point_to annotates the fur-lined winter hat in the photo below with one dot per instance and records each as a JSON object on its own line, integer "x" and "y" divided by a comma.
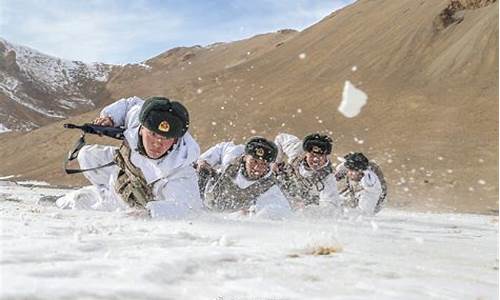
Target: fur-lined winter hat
{"x": 317, "y": 143}
{"x": 261, "y": 148}
{"x": 356, "y": 161}
{"x": 164, "y": 117}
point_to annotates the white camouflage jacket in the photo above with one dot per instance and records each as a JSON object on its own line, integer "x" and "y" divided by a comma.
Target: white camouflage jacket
{"x": 176, "y": 188}
{"x": 367, "y": 191}
{"x": 291, "y": 146}
{"x": 272, "y": 203}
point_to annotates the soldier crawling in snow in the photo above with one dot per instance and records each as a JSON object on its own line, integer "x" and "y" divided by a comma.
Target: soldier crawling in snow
{"x": 308, "y": 176}
{"x": 239, "y": 178}
{"x": 151, "y": 171}
{"x": 361, "y": 184}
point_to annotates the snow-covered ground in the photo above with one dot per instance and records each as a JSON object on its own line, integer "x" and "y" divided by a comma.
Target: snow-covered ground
{"x": 48, "y": 253}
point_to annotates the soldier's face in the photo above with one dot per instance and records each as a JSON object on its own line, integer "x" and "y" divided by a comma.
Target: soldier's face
{"x": 355, "y": 175}
{"x": 155, "y": 144}
{"x": 256, "y": 168}
{"x": 315, "y": 160}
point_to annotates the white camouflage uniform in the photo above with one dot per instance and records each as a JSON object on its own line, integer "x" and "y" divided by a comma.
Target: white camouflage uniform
{"x": 271, "y": 203}
{"x": 291, "y": 146}
{"x": 175, "y": 187}
{"x": 365, "y": 193}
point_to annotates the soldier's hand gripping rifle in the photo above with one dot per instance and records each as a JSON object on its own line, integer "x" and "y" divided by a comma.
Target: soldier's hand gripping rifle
{"x": 112, "y": 132}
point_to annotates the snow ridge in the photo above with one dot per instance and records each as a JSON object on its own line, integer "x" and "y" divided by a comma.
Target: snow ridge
{"x": 46, "y": 85}
{"x": 55, "y": 72}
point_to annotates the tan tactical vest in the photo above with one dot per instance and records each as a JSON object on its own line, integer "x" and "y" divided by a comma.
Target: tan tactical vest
{"x": 300, "y": 189}
{"x": 130, "y": 184}
{"x": 223, "y": 194}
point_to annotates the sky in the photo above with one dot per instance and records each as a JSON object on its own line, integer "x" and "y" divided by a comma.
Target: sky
{"x": 119, "y": 32}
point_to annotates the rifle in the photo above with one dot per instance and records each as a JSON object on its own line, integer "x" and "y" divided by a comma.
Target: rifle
{"x": 112, "y": 132}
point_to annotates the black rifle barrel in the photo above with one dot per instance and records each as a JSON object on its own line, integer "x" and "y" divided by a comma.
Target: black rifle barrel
{"x": 112, "y": 132}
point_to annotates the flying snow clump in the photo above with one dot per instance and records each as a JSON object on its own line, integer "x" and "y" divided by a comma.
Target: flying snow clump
{"x": 359, "y": 141}
{"x": 353, "y": 100}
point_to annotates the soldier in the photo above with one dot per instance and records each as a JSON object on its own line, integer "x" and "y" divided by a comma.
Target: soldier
{"x": 239, "y": 178}
{"x": 151, "y": 170}
{"x": 308, "y": 176}
{"x": 363, "y": 184}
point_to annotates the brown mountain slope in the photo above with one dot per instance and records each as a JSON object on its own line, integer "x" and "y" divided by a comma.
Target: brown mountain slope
{"x": 431, "y": 75}
{"x": 171, "y": 70}
{"x": 51, "y": 142}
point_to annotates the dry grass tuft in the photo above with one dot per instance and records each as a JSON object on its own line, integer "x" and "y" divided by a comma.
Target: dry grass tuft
{"x": 325, "y": 250}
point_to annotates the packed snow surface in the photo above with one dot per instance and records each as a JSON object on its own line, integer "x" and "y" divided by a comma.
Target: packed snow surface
{"x": 353, "y": 99}
{"x": 48, "y": 253}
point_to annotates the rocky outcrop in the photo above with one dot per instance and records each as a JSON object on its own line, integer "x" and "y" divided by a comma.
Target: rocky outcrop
{"x": 454, "y": 12}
